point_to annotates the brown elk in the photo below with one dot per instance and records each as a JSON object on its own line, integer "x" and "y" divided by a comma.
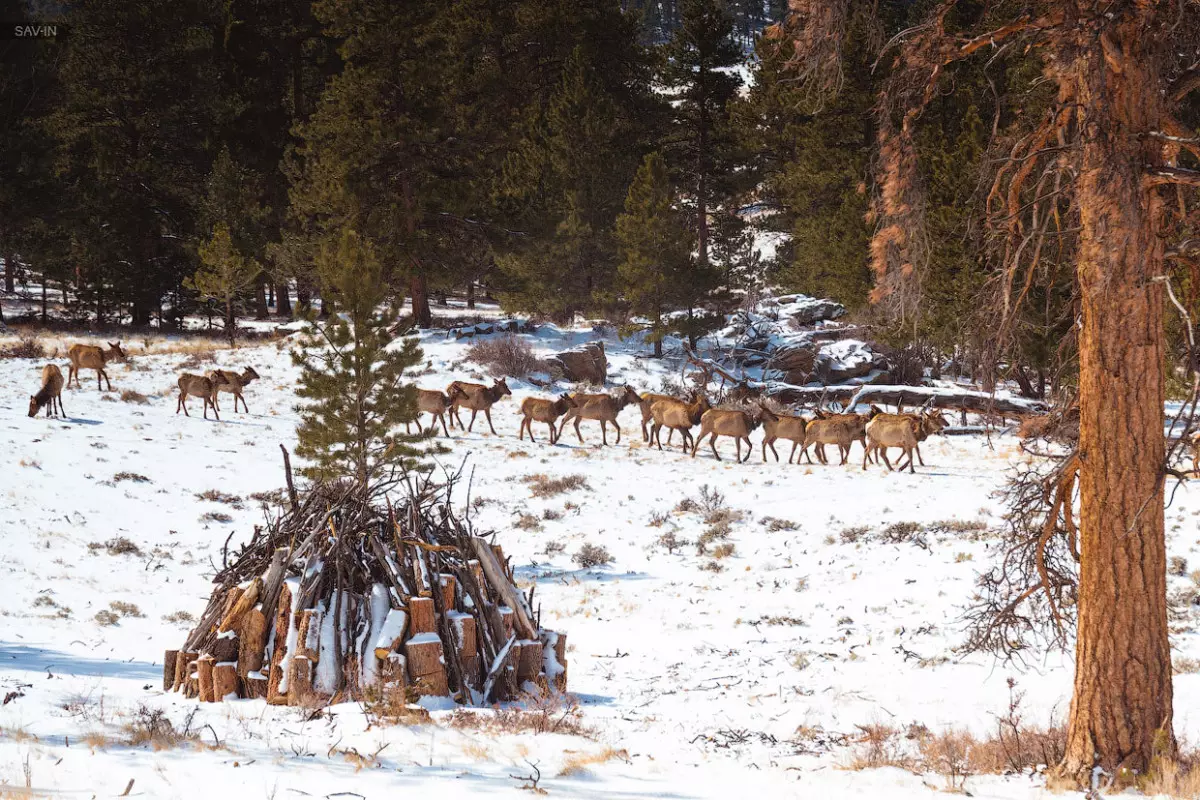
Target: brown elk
{"x": 226, "y": 380}
{"x": 435, "y": 404}
{"x": 476, "y": 397}
{"x": 924, "y": 425}
{"x": 1194, "y": 445}
{"x": 539, "y": 409}
{"x": 603, "y": 408}
{"x": 840, "y": 429}
{"x": 721, "y": 422}
{"x": 196, "y": 386}
{"x": 88, "y": 356}
{"x": 49, "y": 394}
{"x": 677, "y": 415}
{"x": 647, "y": 400}
{"x": 783, "y": 426}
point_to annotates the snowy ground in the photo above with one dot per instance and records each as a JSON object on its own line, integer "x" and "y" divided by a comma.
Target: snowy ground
{"x": 697, "y": 683}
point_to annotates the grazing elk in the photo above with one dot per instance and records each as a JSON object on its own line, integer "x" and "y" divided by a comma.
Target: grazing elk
{"x": 603, "y": 408}
{"x": 476, "y": 397}
{"x": 233, "y": 382}
{"x": 196, "y": 386}
{"x": 840, "y": 429}
{"x": 49, "y": 394}
{"x": 677, "y": 415}
{"x": 435, "y": 404}
{"x": 89, "y": 356}
{"x": 1194, "y": 446}
{"x": 783, "y": 426}
{"x": 539, "y": 409}
{"x": 721, "y": 422}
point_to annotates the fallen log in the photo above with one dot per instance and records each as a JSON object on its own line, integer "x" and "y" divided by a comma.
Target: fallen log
{"x": 909, "y": 396}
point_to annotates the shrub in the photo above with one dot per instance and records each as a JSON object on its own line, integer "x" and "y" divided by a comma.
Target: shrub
{"x": 671, "y": 542}
{"x": 1177, "y": 566}
{"x": 179, "y": 618}
{"x": 543, "y": 486}
{"x": 25, "y": 347}
{"x": 853, "y": 534}
{"x": 216, "y": 496}
{"x": 151, "y": 726}
{"x": 120, "y": 546}
{"x": 774, "y": 524}
{"x": 130, "y": 396}
{"x": 218, "y": 517}
{"x": 528, "y": 522}
{"x": 555, "y": 713}
{"x": 125, "y": 609}
{"x": 591, "y": 555}
{"x": 554, "y": 548}
{"x": 504, "y": 355}
{"x": 723, "y": 550}
{"x": 106, "y": 618}
{"x": 132, "y": 477}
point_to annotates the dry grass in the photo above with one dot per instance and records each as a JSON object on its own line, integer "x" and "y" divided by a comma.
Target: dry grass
{"x": 125, "y": 609}
{"x": 151, "y": 727}
{"x": 25, "y": 347}
{"x": 219, "y": 517}
{"x": 132, "y": 477}
{"x": 576, "y": 764}
{"x": 120, "y": 546}
{"x": 528, "y": 522}
{"x": 130, "y": 396}
{"x": 393, "y": 705}
{"x": 217, "y": 496}
{"x": 592, "y": 555}
{"x": 541, "y": 485}
{"x": 556, "y": 713}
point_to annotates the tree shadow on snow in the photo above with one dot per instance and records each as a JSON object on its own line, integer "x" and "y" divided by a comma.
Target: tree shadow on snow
{"x": 27, "y": 658}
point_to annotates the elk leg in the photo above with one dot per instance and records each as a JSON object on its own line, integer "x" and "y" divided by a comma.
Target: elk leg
{"x": 474, "y": 412}
{"x": 737, "y": 440}
{"x": 671, "y": 435}
{"x": 618, "y": 427}
{"x": 687, "y": 439}
{"x": 920, "y": 460}
{"x": 883, "y": 454}
{"x": 603, "y": 433}
{"x": 749, "y": 449}
{"x": 577, "y": 433}
{"x": 795, "y": 444}
{"x": 645, "y": 433}
{"x": 712, "y": 443}
{"x": 487, "y": 412}
{"x": 776, "y": 452}
{"x": 215, "y": 414}
{"x": 819, "y": 447}
{"x": 182, "y": 404}
{"x": 529, "y": 424}
{"x": 655, "y": 438}
{"x": 553, "y": 436}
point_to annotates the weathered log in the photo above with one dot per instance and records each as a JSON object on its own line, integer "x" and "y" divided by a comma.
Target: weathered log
{"x": 183, "y": 666}
{"x": 509, "y": 619}
{"x": 496, "y": 576}
{"x": 464, "y": 625}
{"x": 252, "y": 642}
{"x": 422, "y": 615}
{"x": 273, "y": 582}
{"x": 225, "y": 647}
{"x": 299, "y": 683}
{"x": 554, "y": 658}
{"x": 393, "y": 671}
{"x": 254, "y": 685}
{"x": 245, "y": 602}
{"x": 170, "y": 659}
{"x": 530, "y": 664}
{"x": 308, "y": 634}
{"x": 225, "y": 680}
{"x": 448, "y": 586}
{"x": 910, "y": 396}
{"x": 283, "y": 624}
{"x": 391, "y": 634}
{"x": 426, "y": 664}
{"x": 204, "y": 674}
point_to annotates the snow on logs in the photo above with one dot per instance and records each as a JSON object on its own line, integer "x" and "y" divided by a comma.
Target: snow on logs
{"x": 417, "y": 606}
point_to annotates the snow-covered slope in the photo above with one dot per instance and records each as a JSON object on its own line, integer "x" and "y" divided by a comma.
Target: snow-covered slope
{"x": 701, "y": 676}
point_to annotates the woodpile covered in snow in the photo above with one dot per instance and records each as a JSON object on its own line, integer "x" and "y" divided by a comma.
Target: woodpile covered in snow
{"x": 339, "y": 598}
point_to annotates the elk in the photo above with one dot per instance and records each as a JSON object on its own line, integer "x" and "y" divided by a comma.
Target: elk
{"x": 197, "y": 386}
{"x": 49, "y": 394}
{"x": 677, "y": 415}
{"x": 476, "y": 397}
{"x": 88, "y": 356}
{"x": 229, "y": 381}
{"x": 840, "y": 429}
{"x": 601, "y": 407}
{"x": 721, "y": 422}
{"x": 892, "y": 430}
{"x": 924, "y": 425}
{"x": 539, "y": 409}
{"x": 645, "y": 403}
{"x": 435, "y": 404}
{"x": 1194, "y": 444}
{"x": 783, "y": 426}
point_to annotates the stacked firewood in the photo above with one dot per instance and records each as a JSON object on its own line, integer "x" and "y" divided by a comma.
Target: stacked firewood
{"x": 340, "y": 598}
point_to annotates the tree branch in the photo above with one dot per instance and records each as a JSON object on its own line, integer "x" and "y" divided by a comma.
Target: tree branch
{"x": 1172, "y": 176}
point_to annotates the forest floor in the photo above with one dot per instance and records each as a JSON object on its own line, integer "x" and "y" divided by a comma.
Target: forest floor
{"x": 813, "y": 644}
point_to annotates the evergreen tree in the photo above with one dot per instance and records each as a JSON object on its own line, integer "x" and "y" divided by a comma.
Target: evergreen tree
{"x": 352, "y": 378}
{"x": 701, "y": 147}
{"x": 224, "y": 274}
{"x": 655, "y": 270}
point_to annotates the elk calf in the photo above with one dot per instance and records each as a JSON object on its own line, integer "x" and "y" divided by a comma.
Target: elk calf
{"x": 87, "y": 356}
{"x": 677, "y": 415}
{"x": 233, "y": 382}
{"x": 196, "y": 386}
{"x": 476, "y": 397}
{"x": 49, "y": 394}
{"x": 783, "y": 426}
{"x": 719, "y": 422}
{"x": 539, "y": 409}
{"x": 603, "y": 408}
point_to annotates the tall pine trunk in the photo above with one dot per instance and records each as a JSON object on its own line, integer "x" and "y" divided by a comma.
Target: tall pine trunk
{"x": 10, "y": 274}
{"x": 419, "y": 292}
{"x": 283, "y": 300}
{"x": 1122, "y": 696}
{"x": 260, "y": 297}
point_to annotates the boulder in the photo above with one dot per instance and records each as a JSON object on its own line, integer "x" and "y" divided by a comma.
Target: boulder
{"x": 584, "y": 364}
{"x": 796, "y": 362}
{"x": 848, "y": 360}
{"x": 804, "y": 310}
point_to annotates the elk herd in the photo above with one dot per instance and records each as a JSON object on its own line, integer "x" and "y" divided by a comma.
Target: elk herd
{"x": 85, "y": 356}
{"x": 876, "y": 431}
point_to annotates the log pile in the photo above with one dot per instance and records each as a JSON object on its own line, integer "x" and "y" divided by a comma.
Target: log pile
{"x": 339, "y": 598}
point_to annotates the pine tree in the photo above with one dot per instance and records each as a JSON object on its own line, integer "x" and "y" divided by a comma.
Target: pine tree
{"x": 701, "y": 147}
{"x": 225, "y": 273}
{"x": 352, "y": 378}
{"x": 656, "y": 250}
